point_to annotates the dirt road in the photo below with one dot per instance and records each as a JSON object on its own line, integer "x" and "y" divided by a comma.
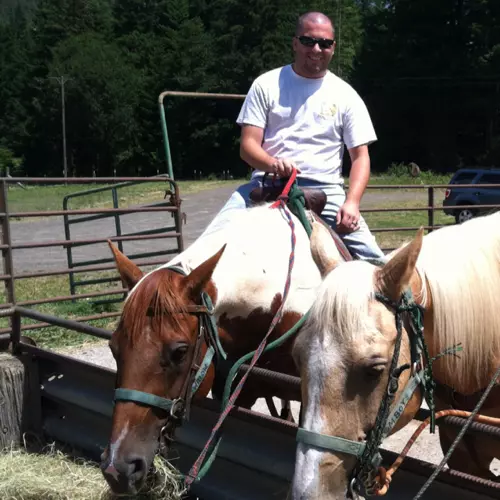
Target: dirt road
{"x": 199, "y": 208}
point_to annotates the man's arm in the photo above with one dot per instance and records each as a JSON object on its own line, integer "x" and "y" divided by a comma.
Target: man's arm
{"x": 348, "y": 214}
{"x": 251, "y": 152}
{"x": 251, "y": 149}
{"x": 360, "y": 173}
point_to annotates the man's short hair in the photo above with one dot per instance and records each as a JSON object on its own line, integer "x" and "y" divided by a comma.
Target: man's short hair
{"x": 301, "y": 20}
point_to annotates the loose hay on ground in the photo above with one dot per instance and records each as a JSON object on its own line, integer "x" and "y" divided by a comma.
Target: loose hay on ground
{"x": 52, "y": 475}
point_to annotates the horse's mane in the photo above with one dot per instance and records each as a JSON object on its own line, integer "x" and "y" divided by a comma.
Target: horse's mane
{"x": 461, "y": 265}
{"x": 156, "y": 293}
{"x": 341, "y": 305}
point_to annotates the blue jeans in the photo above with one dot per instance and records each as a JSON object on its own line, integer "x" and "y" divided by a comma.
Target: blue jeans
{"x": 361, "y": 243}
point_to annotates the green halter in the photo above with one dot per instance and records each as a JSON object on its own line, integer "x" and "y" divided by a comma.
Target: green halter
{"x": 367, "y": 453}
{"x": 207, "y": 330}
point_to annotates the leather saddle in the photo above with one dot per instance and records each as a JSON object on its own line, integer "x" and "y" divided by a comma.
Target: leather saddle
{"x": 315, "y": 199}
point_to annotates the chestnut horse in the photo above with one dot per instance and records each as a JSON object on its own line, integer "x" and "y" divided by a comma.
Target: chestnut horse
{"x": 345, "y": 349}
{"x": 242, "y": 267}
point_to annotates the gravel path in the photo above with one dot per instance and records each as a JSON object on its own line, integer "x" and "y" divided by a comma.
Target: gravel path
{"x": 198, "y": 207}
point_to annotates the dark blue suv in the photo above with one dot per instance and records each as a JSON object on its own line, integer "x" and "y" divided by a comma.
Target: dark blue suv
{"x": 472, "y": 196}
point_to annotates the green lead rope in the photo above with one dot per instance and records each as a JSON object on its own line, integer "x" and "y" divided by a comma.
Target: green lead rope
{"x": 296, "y": 203}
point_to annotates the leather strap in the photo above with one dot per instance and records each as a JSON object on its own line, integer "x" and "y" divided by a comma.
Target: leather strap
{"x": 331, "y": 443}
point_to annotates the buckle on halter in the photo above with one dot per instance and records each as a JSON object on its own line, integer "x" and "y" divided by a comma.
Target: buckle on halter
{"x": 177, "y": 409}
{"x": 417, "y": 365}
{"x": 353, "y": 489}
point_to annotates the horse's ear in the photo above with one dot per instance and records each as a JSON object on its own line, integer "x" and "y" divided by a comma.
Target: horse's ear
{"x": 395, "y": 276}
{"x": 198, "y": 278}
{"x": 129, "y": 272}
{"x": 323, "y": 249}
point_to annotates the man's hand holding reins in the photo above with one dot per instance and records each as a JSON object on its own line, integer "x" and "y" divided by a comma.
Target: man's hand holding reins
{"x": 283, "y": 167}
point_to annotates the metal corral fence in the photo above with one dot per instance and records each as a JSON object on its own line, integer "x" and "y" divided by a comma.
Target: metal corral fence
{"x": 111, "y": 221}
{"x": 168, "y": 229}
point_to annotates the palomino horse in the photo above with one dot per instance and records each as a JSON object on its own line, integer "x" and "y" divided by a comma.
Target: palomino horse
{"x": 345, "y": 350}
{"x": 243, "y": 268}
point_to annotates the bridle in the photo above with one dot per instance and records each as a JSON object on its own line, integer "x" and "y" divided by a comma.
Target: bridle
{"x": 178, "y": 409}
{"x": 367, "y": 453}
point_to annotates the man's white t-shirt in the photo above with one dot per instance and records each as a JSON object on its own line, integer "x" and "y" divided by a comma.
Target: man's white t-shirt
{"x": 307, "y": 120}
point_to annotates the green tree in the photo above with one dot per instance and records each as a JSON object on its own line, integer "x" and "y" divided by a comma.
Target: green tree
{"x": 173, "y": 51}
{"x": 15, "y": 64}
{"x": 427, "y": 69}
{"x": 101, "y": 103}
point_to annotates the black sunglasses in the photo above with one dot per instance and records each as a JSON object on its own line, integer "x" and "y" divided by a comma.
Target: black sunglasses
{"x": 307, "y": 41}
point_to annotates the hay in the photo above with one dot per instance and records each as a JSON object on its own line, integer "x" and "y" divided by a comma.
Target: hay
{"x": 52, "y": 475}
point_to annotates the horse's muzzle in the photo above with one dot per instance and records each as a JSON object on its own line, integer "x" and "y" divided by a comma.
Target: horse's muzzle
{"x": 124, "y": 476}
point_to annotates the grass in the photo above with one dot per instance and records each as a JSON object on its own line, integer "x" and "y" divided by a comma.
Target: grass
{"x": 425, "y": 179}
{"x": 401, "y": 219}
{"x": 53, "y": 475}
{"x": 54, "y": 286}
{"x": 44, "y": 198}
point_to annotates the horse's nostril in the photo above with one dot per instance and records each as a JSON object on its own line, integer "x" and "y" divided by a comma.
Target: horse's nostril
{"x": 111, "y": 472}
{"x": 138, "y": 468}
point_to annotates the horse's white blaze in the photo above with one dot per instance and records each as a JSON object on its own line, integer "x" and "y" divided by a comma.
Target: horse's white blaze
{"x": 321, "y": 361}
{"x": 115, "y": 446}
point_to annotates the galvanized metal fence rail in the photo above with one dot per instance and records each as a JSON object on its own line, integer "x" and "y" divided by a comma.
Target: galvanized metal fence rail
{"x": 173, "y": 232}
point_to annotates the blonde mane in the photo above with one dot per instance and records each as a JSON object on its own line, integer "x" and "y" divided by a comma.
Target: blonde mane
{"x": 461, "y": 265}
{"x": 342, "y": 302}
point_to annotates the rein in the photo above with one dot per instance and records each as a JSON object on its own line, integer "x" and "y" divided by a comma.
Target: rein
{"x": 293, "y": 195}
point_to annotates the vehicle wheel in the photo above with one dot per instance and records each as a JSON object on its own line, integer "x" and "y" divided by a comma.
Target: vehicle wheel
{"x": 463, "y": 215}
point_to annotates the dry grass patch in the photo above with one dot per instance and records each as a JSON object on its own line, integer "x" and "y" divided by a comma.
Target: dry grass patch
{"x": 53, "y": 475}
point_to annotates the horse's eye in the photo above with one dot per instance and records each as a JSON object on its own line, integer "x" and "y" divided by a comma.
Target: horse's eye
{"x": 375, "y": 370}
{"x": 376, "y": 367}
{"x": 178, "y": 352}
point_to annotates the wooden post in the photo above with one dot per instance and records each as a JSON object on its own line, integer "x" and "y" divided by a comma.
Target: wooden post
{"x": 12, "y": 384}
